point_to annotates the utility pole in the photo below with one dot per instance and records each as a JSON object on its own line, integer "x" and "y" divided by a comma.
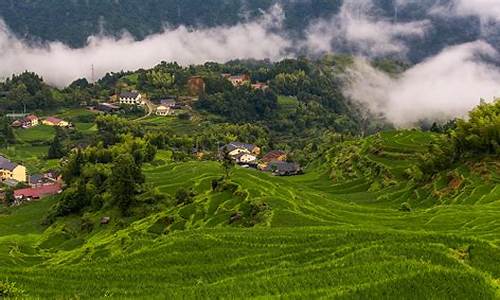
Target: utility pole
{"x": 93, "y": 75}
{"x": 395, "y": 12}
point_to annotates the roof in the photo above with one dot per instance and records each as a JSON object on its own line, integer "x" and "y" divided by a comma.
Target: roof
{"x": 11, "y": 182}
{"x": 161, "y": 107}
{"x": 38, "y": 192}
{"x": 239, "y": 77}
{"x": 53, "y": 120}
{"x": 132, "y": 95}
{"x": 6, "y": 164}
{"x": 31, "y": 118}
{"x": 273, "y": 155}
{"x": 16, "y": 115}
{"x": 283, "y": 166}
{"x": 167, "y": 102}
{"x": 237, "y": 145}
{"x": 36, "y": 178}
{"x": 241, "y": 154}
{"x": 109, "y": 105}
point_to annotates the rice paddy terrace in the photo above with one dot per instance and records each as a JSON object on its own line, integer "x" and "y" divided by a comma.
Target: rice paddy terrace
{"x": 314, "y": 238}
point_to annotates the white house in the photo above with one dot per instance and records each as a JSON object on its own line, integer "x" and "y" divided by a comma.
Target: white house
{"x": 246, "y": 158}
{"x": 162, "y": 110}
{"x": 238, "y": 151}
{"x": 130, "y": 98}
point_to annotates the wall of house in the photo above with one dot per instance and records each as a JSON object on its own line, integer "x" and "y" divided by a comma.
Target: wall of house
{"x": 19, "y": 174}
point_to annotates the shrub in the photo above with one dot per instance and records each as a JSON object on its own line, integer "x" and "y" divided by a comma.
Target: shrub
{"x": 9, "y": 289}
{"x": 405, "y": 207}
{"x": 184, "y": 196}
{"x": 86, "y": 225}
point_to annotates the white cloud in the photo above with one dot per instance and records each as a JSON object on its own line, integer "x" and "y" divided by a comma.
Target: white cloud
{"x": 60, "y": 64}
{"x": 358, "y": 27}
{"x": 486, "y": 9}
{"x": 445, "y": 86}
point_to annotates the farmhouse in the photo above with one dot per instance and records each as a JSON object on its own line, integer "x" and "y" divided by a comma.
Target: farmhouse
{"x": 11, "y": 171}
{"x": 237, "y": 80}
{"x": 107, "y": 107}
{"x": 168, "y": 103}
{"x": 236, "y": 148}
{"x": 260, "y": 86}
{"x": 130, "y": 98}
{"x": 38, "y": 180}
{"x": 196, "y": 85}
{"x": 275, "y": 155}
{"x": 37, "y": 192}
{"x": 53, "y": 121}
{"x": 163, "y": 110}
{"x": 245, "y": 159}
{"x": 282, "y": 168}
{"x": 26, "y": 122}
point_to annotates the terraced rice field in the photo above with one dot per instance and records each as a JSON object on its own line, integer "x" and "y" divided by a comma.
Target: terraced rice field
{"x": 319, "y": 239}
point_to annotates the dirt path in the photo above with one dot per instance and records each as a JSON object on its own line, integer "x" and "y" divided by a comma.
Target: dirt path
{"x": 150, "y": 107}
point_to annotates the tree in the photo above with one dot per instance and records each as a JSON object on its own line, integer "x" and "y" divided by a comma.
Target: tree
{"x": 227, "y": 163}
{"x": 9, "y": 197}
{"x": 56, "y": 149}
{"x": 125, "y": 182}
{"x": 73, "y": 167}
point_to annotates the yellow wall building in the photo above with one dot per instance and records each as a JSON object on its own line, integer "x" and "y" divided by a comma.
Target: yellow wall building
{"x": 10, "y": 170}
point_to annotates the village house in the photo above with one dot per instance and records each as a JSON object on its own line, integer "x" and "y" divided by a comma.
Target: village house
{"x": 245, "y": 159}
{"x": 36, "y": 193}
{"x": 196, "y": 85}
{"x": 260, "y": 86}
{"x": 163, "y": 110}
{"x": 107, "y": 107}
{"x": 237, "y": 80}
{"x": 283, "y": 168}
{"x": 235, "y": 148}
{"x": 26, "y": 122}
{"x": 38, "y": 180}
{"x": 275, "y": 155}
{"x": 168, "y": 103}
{"x": 53, "y": 121}
{"x": 11, "y": 171}
{"x": 130, "y": 98}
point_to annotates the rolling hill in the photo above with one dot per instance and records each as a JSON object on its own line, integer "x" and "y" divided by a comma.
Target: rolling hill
{"x": 296, "y": 237}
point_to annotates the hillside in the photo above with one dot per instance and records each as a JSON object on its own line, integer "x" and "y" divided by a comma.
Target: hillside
{"x": 345, "y": 239}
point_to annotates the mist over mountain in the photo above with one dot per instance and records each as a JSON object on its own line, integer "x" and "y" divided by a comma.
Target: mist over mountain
{"x": 452, "y": 45}
{"x": 446, "y": 22}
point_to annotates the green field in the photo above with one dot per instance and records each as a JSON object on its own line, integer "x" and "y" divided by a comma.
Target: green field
{"x": 41, "y": 133}
{"x": 318, "y": 239}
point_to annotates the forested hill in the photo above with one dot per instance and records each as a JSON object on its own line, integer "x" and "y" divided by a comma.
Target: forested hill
{"x": 72, "y": 22}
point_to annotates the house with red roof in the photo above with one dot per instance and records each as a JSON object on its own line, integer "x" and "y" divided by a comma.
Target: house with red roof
{"x": 39, "y": 192}
{"x": 53, "y": 121}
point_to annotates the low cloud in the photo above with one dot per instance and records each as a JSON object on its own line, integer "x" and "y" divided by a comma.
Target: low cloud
{"x": 485, "y": 9}
{"x": 358, "y": 28}
{"x": 442, "y": 87}
{"x": 60, "y": 64}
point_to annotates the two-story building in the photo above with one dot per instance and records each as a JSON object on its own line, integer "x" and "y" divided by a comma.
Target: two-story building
{"x": 130, "y": 98}
{"x": 12, "y": 171}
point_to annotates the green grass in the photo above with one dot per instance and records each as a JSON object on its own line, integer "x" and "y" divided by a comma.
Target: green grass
{"x": 318, "y": 240}
{"x": 32, "y": 157}
{"x": 86, "y": 127}
{"x": 172, "y": 123}
{"x": 41, "y": 133}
